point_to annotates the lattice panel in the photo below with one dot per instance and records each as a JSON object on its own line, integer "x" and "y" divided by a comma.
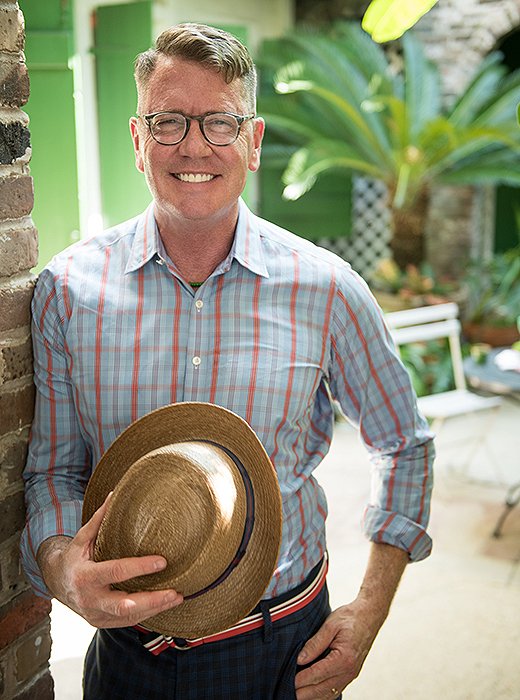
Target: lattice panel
{"x": 371, "y": 228}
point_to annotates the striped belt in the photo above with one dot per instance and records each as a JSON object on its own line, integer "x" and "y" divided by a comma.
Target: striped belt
{"x": 157, "y": 643}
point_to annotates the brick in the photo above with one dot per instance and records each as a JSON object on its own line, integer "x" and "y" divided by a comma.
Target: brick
{"x": 16, "y": 408}
{"x": 15, "y": 304}
{"x": 12, "y": 515}
{"x": 33, "y": 652}
{"x": 41, "y": 689}
{"x": 12, "y": 577}
{"x": 13, "y": 453}
{"x": 15, "y": 139}
{"x": 18, "y": 250}
{"x": 16, "y": 360}
{"x": 11, "y": 29}
{"x": 21, "y": 615}
{"x": 16, "y": 197}
{"x": 14, "y": 83}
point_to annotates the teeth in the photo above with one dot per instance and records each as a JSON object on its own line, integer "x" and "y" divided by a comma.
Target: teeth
{"x": 194, "y": 177}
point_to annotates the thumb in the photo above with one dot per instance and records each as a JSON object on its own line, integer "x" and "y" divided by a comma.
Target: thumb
{"x": 315, "y": 646}
{"x": 89, "y": 531}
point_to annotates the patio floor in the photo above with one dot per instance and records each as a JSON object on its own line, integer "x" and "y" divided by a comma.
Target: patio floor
{"x": 454, "y": 629}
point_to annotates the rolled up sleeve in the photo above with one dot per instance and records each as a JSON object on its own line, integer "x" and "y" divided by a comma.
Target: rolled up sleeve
{"x": 375, "y": 393}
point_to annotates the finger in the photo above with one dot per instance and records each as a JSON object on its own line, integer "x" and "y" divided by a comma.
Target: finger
{"x": 135, "y": 607}
{"x": 118, "y": 570}
{"x": 318, "y": 672}
{"x": 315, "y": 646}
{"x": 331, "y": 688}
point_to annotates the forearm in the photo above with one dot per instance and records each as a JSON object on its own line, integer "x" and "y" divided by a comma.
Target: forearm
{"x": 384, "y": 570}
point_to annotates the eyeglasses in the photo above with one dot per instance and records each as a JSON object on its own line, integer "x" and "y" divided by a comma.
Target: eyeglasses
{"x": 218, "y": 128}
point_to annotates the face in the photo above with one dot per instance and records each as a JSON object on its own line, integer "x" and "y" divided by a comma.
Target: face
{"x": 181, "y": 200}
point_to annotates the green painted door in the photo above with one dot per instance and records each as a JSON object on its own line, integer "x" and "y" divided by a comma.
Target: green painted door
{"x": 51, "y": 112}
{"x": 121, "y": 32}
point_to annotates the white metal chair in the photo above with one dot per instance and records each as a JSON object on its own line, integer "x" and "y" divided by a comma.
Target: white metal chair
{"x": 439, "y": 321}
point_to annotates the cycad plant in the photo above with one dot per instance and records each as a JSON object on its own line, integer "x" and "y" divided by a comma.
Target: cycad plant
{"x": 334, "y": 102}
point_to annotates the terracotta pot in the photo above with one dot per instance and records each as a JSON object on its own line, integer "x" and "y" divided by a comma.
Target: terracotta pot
{"x": 496, "y": 336}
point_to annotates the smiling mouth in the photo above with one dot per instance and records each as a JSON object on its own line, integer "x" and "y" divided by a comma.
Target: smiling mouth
{"x": 193, "y": 177}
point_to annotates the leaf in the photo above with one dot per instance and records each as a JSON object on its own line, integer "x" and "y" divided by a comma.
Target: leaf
{"x": 485, "y": 82}
{"x": 306, "y": 164}
{"x": 422, "y": 87}
{"x": 386, "y": 20}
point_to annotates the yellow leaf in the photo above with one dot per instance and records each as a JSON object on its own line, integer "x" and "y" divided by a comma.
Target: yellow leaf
{"x": 386, "y": 20}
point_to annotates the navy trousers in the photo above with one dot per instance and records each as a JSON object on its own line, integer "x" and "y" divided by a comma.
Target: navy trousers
{"x": 257, "y": 665}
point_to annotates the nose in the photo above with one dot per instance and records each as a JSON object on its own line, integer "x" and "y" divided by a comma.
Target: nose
{"x": 194, "y": 144}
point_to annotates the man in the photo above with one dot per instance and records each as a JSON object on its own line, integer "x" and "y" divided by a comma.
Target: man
{"x": 200, "y": 300}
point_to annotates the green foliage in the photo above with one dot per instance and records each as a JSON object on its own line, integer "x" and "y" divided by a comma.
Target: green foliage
{"x": 416, "y": 285}
{"x": 494, "y": 289}
{"x": 385, "y": 20}
{"x": 429, "y": 365}
{"x": 337, "y": 102}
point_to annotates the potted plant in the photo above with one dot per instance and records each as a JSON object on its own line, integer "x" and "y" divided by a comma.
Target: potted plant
{"x": 493, "y": 292}
{"x": 338, "y": 103}
{"x": 415, "y": 286}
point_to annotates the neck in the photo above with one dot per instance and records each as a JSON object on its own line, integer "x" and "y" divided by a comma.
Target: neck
{"x": 197, "y": 247}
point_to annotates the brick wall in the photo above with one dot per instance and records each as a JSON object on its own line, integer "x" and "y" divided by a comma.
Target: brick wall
{"x": 458, "y": 34}
{"x": 24, "y": 619}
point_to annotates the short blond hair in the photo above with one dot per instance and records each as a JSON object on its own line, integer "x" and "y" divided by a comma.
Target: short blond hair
{"x": 210, "y": 47}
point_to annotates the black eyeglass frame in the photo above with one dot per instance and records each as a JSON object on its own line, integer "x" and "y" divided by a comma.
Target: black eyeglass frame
{"x": 241, "y": 118}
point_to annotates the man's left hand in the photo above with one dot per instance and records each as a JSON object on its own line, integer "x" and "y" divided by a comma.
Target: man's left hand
{"x": 347, "y": 635}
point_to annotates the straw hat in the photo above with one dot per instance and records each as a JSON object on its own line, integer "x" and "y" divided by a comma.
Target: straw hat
{"x": 192, "y": 482}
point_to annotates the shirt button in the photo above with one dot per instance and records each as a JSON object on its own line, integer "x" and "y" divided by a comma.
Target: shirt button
{"x": 199, "y": 303}
{"x": 196, "y": 361}
{"x": 159, "y": 261}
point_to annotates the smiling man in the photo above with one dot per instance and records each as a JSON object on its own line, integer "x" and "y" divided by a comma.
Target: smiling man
{"x": 200, "y": 300}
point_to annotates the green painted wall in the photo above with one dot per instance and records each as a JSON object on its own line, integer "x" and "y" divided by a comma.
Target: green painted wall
{"x": 51, "y": 112}
{"x": 121, "y": 32}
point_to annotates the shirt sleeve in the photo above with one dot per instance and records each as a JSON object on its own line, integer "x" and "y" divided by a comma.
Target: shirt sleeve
{"x": 58, "y": 464}
{"x": 374, "y": 390}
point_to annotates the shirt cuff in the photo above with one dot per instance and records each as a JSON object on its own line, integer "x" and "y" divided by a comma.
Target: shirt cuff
{"x": 385, "y": 527}
{"x": 42, "y": 525}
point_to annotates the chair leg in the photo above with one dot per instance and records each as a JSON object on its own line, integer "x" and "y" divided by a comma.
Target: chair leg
{"x": 512, "y": 500}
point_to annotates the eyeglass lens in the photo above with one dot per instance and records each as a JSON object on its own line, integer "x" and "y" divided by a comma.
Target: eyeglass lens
{"x": 218, "y": 128}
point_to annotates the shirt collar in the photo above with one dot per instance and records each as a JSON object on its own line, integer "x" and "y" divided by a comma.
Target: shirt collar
{"x": 246, "y": 247}
{"x": 146, "y": 241}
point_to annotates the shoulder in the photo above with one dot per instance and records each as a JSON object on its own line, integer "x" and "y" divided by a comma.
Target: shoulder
{"x": 91, "y": 251}
{"x": 280, "y": 245}
{"x": 81, "y": 266}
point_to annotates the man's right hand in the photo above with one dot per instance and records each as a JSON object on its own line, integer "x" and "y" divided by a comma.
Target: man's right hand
{"x": 74, "y": 578}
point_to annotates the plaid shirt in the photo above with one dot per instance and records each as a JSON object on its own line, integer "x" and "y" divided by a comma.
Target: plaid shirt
{"x": 117, "y": 332}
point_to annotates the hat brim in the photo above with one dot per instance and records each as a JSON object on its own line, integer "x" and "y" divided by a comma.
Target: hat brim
{"x": 230, "y": 601}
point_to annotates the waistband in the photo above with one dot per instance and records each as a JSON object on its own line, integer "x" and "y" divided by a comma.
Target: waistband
{"x": 278, "y": 608}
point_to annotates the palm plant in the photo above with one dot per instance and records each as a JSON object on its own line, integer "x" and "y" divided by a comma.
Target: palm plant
{"x": 334, "y": 102}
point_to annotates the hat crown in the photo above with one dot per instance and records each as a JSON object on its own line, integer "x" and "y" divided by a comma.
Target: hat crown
{"x": 233, "y": 593}
{"x": 185, "y": 501}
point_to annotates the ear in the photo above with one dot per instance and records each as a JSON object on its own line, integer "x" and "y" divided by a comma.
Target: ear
{"x": 258, "y": 135}
{"x": 134, "y": 131}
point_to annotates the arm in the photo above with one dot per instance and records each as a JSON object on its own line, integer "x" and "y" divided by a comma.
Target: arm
{"x": 56, "y": 551}
{"x": 375, "y": 392}
{"x": 349, "y": 632}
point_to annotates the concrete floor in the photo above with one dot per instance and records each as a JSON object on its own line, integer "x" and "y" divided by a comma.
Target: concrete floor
{"x": 454, "y": 629}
